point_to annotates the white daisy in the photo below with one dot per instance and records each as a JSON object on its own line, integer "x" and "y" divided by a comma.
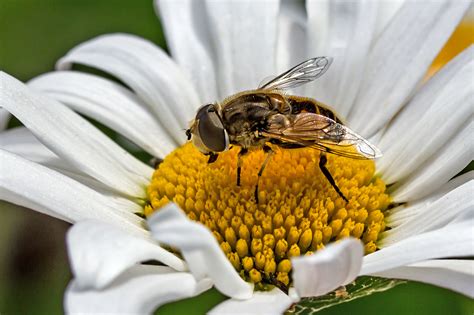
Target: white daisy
{"x": 381, "y": 52}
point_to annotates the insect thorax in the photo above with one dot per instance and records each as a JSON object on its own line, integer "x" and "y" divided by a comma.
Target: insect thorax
{"x": 244, "y": 114}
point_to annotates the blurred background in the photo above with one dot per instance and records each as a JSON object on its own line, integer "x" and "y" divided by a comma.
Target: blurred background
{"x": 33, "y": 260}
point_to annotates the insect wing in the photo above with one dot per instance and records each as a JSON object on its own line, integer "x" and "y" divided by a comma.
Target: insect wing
{"x": 362, "y": 145}
{"x": 323, "y": 133}
{"x": 303, "y": 73}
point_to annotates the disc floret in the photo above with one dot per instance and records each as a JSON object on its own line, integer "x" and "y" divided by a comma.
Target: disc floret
{"x": 298, "y": 211}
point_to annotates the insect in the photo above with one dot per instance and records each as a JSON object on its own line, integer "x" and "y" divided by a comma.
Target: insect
{"x": 256, "y": 118}
{"x": 272, "y": 279}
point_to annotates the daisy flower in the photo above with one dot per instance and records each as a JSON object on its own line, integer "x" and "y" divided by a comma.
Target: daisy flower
{"x": 405, "y": 215}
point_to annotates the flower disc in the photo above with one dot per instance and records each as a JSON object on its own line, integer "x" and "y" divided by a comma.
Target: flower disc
{"x": 298, "y": 213}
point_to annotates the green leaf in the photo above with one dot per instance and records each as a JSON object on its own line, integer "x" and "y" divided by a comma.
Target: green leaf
{"x": 200, "y": 304}
{"x": 362, "y": 286}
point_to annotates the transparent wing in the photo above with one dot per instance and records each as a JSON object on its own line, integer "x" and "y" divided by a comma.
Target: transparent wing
{"x": 323, "y": 133}
{"x": 303, "y": 73}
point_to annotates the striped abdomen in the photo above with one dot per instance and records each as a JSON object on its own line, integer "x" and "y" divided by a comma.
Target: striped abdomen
{"x": 302, "y": 104}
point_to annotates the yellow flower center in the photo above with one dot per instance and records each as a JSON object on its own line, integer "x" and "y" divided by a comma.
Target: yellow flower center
{"x": 298, "y": 213}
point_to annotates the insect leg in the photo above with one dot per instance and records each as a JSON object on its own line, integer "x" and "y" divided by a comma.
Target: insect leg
{"x": 322, "y": 165}
{"x": 188, "y": 134}
{"x": 242, "y": 152}
{"x": 269, "y": 153}
{"x": 155, "y": 162}
{"x": 212, "y": 157}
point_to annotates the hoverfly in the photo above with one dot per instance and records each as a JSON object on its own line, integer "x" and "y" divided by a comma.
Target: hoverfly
{"x": 253, "y": 119}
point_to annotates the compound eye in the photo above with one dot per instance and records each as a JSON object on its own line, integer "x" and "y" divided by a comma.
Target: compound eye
{"x": 211, "y": 130}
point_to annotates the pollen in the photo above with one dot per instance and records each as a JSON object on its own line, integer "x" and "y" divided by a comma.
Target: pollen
{"x": 298, "y": 212}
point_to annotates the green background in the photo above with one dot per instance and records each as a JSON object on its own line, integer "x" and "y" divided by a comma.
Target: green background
{"x": 33, "y": 260}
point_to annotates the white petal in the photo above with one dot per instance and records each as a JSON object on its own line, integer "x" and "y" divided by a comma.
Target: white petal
{"x": 17, "y": 135}
{"x": 4, "y": 118}
{"x": 31, "y": 185}
{"x": 430, "y": 120}
{"x": 262, "y": 302}
{"x": 22, "y": 142}
{"x": 291, "y": 41}
{"x": 453, "y": 274}
{"x": 435, "y": 172}
{"x": 244, "y": 34}
{"x": 20, "y": 200}
{"x": 99, "y": 252}
{"x": 343, "y": 30}
{"x": 38, "y": 153}
{"x": 147, "y": 69}
{"x": 200, "y": 250}
{"x": 400, "y": 58}
{"x": 189, "y": 41}
{"x": 140, "y": 290}
{"x": 405, "y": 212}
{"x": 74, "y": 139}
{"x": 109, "y": 103}
{"x": 434, "y": 215}
{"x": 338, "y": 264}
{"x": 451, "y": 185}
{"x": 386, "y": 12}
{"x": 455, "y": 240}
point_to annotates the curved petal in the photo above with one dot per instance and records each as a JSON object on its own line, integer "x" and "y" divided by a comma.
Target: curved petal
{"x": 152, "y": 74}
{"x": 343, "y": 30}
{"x": 434, "y": 215}
{"x": 74, "y": 139}
{"x": 452, "y": 159}
{"x": 139, "y": 290}
{"x": 403, "y": 213}
{"x": 400, "y": 58}
{"x": 430, "y": 120}
{"x": 4, "y": 119}
{"x": 187, "y": 34}
{"x": 31, "y": 185}
{"x": 262, "y": 302}
{"x": 20, "y": 200}
{"x": 338, "y": 264}
{"x": 291, "y": 41}
{"x": 109, "y": 103}
{"x": 99, "y": 252}
{"x": 18, "y": 135}
{"x": 244, "y": 34}
{"x": 453, "y": 274}
{"x": 454, "y": 240}
{"x": 386, "y": 12}
{"x": 38, "y": 153}
{"x": 200, "y": 250}
{"x": 449, "y": 186}
{"x": 22, "y": 142}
